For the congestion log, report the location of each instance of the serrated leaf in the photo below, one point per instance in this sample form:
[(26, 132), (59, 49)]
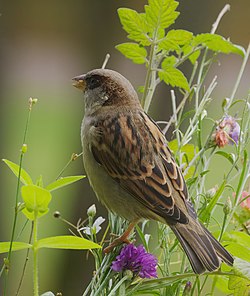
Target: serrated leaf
[(66, 242), (161, 13), (133, 52), (174, 39), (63, 182), (24, 178), (187, 49), (174, 77), (168, 62), (36, 200), (135, 25), (181, 37), (16, 246), (217, 43)]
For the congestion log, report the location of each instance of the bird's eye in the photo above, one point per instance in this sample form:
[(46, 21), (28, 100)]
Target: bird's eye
[(93, 82)]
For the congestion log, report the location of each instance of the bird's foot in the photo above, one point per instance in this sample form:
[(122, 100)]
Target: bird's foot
[(120, 240)]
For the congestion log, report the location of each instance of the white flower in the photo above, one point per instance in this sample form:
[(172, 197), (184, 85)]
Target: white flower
[(95, 227)]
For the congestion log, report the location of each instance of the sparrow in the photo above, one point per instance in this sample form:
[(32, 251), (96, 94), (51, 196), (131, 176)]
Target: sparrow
[(132, 170)]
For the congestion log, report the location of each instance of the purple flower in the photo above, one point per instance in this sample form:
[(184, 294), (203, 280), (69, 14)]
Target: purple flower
[(227, 132), (137, 260)]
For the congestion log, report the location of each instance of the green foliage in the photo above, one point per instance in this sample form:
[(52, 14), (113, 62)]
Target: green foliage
[(133, 51), (148, 30), (63, 182), (36, 200), (24, 177), (66, 242), (162, 51), (5, 246), (239, 282)]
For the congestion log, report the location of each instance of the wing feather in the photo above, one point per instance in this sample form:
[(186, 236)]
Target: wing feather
[(134, 152)]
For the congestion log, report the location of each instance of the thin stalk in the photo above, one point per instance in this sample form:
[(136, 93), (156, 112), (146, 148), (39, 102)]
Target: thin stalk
[(215, 25), (17, 195), (35, 256), (73, 157), (25, 263), (243, 66), (117, 286), (223, 227), (148, 93), (173, 98)]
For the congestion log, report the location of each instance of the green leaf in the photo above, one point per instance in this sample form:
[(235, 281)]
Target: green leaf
[(174, 39), (39, 181), (217, 43), (161, 13), (16, 246), (161, 282), (174, 77), (181, 37), (36, 200), (240, 281), (188, 49), (243, 266), (168, 62), (66, 242), (63, 182), (135, 25), (24, 178), (228, 156), (206, 212), (133, 51), (239, 237), (239, 251)]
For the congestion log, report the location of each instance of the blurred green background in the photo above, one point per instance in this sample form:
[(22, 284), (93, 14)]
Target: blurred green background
[(43, 45)]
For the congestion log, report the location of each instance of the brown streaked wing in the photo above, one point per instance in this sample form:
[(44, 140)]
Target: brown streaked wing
[(134, 152)]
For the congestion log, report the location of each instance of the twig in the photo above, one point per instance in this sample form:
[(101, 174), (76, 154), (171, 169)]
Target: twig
[(243, 66), (215, 25), (106, 61)]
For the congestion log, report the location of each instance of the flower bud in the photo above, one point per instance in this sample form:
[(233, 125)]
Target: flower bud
[(24, 148), (227, 206), (91, 212), (187, 289), (211, 192)]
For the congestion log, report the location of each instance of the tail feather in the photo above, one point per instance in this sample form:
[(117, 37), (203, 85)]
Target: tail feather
[(203, 250), (220, 250)]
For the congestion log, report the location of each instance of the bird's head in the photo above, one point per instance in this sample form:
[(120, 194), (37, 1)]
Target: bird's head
[(106, 88)]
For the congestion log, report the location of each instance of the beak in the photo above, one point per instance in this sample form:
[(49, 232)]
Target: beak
[(79, 82)]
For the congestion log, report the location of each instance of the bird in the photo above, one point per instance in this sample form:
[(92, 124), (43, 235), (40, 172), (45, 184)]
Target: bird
[(132, 170)]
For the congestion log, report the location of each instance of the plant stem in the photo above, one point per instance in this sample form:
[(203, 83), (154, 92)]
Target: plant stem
[(243, 66), (17, 194), (35, 256), (148, 93), (25, 263)]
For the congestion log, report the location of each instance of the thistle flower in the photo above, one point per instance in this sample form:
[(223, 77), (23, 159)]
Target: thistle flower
[(137, 260), (227, 132)]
